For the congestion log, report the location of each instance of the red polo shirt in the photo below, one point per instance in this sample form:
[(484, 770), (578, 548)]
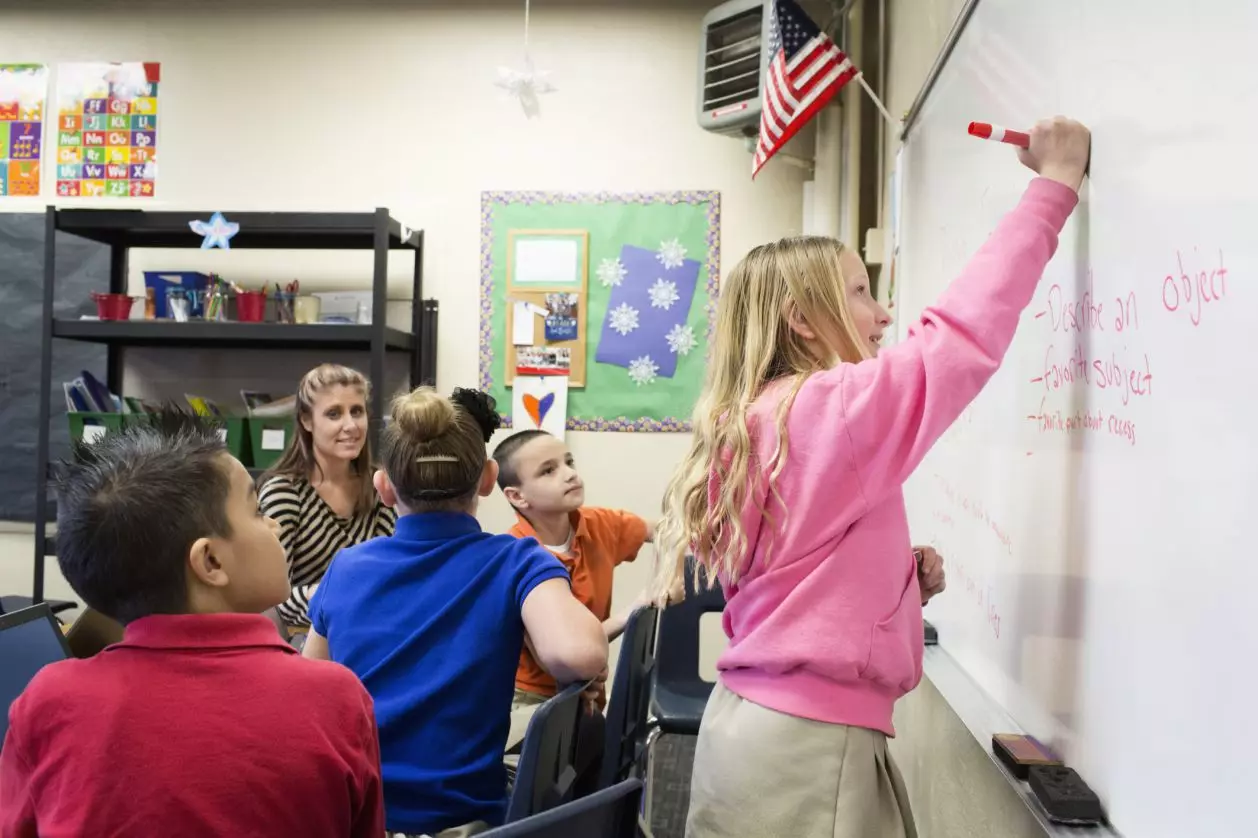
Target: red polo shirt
[(194, 725)]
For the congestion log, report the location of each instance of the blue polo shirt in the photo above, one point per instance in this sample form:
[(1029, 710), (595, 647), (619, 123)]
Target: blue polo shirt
[(429, 620)]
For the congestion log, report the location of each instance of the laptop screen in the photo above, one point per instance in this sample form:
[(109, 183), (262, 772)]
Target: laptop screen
[(25, 648)]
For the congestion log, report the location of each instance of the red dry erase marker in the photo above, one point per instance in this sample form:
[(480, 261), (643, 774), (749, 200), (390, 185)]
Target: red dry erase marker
[(987, 131)]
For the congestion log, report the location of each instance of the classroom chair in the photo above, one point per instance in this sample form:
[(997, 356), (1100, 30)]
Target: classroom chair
[(609, 813), (9, 604), (678, 694), (547, 773), (624, 752)]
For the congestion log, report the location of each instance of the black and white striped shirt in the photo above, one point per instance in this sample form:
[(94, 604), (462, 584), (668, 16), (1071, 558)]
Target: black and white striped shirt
[(312, 534)]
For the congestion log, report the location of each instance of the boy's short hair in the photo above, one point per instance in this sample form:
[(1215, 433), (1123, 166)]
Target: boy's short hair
[(505, 452), (129, 508)]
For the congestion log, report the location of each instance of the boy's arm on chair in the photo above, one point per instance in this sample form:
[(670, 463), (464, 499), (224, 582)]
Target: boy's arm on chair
[(566, 639)]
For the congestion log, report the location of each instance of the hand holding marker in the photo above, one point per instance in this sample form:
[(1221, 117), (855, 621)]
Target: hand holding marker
[(1022, 139)]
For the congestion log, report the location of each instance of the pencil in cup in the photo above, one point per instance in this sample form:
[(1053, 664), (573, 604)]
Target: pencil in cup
[(284, 305)]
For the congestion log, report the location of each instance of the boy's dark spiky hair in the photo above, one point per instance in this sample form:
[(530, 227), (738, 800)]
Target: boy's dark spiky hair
[(131, 504)]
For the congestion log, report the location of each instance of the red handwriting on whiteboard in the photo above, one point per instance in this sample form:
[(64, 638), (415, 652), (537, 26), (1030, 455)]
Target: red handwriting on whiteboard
[(1088, 313), (978, 594), (1190, 292), (1129, 378), (975, 509), (1048, 421), (1074, 315)]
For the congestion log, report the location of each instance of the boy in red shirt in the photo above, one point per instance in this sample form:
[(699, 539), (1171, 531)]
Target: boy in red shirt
[(537, 474), (202, 721)]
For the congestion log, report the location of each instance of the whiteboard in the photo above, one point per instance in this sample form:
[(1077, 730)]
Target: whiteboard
[(1096, 504)]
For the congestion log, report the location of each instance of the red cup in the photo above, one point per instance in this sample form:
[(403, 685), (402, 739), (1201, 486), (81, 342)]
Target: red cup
[(250, 306), (113, 306)]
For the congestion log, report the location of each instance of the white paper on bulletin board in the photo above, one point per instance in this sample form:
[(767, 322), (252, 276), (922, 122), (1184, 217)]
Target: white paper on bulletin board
[(547, 261)]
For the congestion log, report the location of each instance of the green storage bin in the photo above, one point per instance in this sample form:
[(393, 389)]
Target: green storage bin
[(268, 437), (237, 437), (90, 426)]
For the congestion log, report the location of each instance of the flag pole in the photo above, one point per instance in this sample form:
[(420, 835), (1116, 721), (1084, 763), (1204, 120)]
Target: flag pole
[(860, 77)]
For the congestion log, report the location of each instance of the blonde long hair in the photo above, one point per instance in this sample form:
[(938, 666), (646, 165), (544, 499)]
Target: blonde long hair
[(755, 344)]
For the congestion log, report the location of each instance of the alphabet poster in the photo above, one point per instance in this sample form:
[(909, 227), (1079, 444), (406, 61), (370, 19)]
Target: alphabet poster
[(539, 403), (107, 129), (23, 91)]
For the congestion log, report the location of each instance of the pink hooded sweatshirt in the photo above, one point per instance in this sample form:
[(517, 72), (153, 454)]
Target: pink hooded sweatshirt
[(830, 628)]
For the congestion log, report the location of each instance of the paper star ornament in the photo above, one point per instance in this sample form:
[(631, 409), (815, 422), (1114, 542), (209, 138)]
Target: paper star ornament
[(526, 85), (218, 231)]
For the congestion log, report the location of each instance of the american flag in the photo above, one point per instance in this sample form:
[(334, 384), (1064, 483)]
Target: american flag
[(806, 69)]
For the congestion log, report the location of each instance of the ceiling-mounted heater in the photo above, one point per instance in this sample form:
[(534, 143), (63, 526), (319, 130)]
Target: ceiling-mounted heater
[(731, 64)]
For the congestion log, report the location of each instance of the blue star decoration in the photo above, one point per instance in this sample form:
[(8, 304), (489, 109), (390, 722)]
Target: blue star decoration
[(217, 231)]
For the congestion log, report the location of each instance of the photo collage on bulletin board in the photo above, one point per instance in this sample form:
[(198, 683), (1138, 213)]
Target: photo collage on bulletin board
[(596, 309)]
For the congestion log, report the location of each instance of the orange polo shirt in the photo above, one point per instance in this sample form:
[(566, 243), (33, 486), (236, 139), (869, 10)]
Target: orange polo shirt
[(601, 539)]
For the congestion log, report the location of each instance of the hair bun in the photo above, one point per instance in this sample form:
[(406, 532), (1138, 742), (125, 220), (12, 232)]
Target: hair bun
[(423, 413), (481, 407)]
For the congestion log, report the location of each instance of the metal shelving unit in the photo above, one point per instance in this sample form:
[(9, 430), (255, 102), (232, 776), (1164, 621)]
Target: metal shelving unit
[(123, 230)]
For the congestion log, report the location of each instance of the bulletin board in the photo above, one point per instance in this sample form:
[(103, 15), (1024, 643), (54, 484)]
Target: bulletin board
[(647, 299), (541, 266)]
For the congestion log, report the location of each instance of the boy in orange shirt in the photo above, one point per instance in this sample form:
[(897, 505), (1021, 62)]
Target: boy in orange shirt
[(537, 474)]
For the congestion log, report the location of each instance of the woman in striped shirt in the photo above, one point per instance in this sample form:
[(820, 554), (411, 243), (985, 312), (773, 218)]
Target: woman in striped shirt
[(320, 490)]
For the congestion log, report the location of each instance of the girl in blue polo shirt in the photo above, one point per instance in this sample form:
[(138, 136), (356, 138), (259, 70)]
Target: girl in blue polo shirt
[(432, 619)]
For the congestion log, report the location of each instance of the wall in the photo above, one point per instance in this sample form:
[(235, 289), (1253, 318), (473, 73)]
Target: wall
[(272, 105), (955, 789)]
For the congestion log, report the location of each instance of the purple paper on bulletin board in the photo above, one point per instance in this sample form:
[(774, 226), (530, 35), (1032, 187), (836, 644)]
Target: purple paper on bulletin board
[(652, 300)]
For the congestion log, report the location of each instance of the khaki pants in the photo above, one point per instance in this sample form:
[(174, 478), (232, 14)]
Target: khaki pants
[(758, 772), (523, 706)]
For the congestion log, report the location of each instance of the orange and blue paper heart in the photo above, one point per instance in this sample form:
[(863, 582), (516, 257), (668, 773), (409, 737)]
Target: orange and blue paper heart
[(538, 408)]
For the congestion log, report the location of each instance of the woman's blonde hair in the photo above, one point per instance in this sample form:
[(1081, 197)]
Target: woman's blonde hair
[(793, 280), (433, 451), (298, 459)]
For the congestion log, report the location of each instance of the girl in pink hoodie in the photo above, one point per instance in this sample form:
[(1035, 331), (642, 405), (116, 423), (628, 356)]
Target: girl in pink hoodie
[(791, 496)]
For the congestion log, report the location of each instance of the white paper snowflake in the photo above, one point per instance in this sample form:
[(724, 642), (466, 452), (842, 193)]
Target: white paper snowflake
[(663, 294), (611, 272), (623, 318), (681, 339), (642, 370), (671, 254)]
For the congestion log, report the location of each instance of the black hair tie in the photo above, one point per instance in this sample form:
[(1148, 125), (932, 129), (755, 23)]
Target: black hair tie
[(481, 406)]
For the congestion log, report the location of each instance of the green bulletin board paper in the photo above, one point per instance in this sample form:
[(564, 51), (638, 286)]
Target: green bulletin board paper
[(610, 400)]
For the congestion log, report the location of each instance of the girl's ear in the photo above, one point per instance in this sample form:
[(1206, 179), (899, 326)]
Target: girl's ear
[(384, 487), (488, 478), (797, 323)]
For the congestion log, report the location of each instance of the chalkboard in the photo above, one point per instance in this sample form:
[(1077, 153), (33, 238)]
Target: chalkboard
[(82, 266)]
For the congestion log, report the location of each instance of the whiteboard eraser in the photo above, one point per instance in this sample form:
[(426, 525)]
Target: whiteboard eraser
[(1065, 797), (1019, 753)]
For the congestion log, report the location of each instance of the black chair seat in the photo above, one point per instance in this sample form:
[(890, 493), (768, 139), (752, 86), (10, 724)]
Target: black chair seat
[(678, 708), (9, 604)]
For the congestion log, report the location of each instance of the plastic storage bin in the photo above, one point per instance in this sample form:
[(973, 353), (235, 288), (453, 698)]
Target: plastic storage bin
[(268, 437)]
